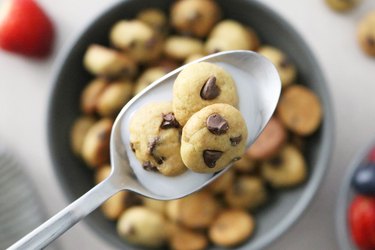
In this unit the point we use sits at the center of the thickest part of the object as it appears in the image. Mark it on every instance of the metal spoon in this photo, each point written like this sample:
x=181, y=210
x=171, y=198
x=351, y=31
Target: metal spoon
x=258, y=87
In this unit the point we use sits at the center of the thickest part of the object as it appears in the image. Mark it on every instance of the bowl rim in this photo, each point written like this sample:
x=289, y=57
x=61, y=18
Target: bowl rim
x=327, y=127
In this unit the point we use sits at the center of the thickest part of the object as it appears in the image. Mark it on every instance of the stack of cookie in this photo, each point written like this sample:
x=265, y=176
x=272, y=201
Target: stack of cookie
x=201, y=120
x=213, y=132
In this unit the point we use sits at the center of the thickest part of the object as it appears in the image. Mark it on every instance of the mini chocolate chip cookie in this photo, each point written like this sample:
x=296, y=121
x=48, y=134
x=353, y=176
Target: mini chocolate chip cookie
x=222, y=183
x=366, y=34
x=181, y=47
x=231, y=227
x=148, y=76
x=109, y=63
x=245, y=165
x=140, y=225
x=342, y=5
x=287, y=169
x=247, y=192
x=213, y=138
x=300, y=110
x=199, y=85
x=286, y=69
x=137, y=39
x=269, y=141
x=240, y=38
x=196, y=211
x=155, y=139
x=186, y=239
x=194, y=17
x=155, y=18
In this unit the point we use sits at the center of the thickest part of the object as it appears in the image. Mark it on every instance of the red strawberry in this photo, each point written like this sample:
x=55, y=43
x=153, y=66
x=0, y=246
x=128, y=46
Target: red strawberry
x=25, y=28
x=371, y=155
x=362, y=222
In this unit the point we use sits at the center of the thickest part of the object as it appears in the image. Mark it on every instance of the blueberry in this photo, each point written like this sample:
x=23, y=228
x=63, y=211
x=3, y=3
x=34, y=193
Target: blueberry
x=363, y=180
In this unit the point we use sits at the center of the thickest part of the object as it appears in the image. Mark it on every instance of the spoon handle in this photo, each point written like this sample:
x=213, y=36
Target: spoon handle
x=66, y=218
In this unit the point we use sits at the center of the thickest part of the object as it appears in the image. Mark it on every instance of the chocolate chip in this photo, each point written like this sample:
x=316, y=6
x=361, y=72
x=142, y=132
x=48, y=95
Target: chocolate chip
x=169, y=121
x=276, y=161
x=216, y=124
x=216, y=50
x=149, y=167
x=152, y=144
x=129, y=229
x=132, y=147
x=234, y=141
x=159, y=160
x=370, y=41
x=211, y=156
x=210, y=90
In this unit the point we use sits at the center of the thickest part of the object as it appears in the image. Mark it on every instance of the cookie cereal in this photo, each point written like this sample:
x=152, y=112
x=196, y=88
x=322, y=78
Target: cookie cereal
x=300, y=110
x=232, y=227
x=240, y=38
x=155, y=139
x=140, y=225
x=366, y=34
x=106, y=62
x=196, y=211
x=287, y=169
x=286, y=69
x=136, y=39
x=194, y=17
x=200, y=85
x=269, y=141
x=213, y=138
x=247, y=192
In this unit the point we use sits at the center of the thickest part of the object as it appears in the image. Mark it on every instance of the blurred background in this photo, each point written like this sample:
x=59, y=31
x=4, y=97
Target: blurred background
x=25, y=83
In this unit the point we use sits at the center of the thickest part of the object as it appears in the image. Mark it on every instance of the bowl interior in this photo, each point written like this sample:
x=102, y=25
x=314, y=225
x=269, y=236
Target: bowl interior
x=71, y=77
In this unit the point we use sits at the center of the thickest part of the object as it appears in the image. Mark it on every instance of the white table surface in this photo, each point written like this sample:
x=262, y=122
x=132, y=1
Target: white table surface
x=24, y=85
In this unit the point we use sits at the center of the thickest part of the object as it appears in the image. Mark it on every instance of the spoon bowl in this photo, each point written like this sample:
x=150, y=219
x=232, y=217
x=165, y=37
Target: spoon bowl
x=258, y=86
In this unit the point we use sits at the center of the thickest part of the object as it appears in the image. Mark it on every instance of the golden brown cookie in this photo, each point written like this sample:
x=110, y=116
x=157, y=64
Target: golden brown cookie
x=232, y=227
x=155, y=139
x=287, y=169
x=269, y=141
x=286, y=69
x=240, y=38
x=114, y=97
x=199, y=85
x=342, y=5
x=143, y=226
x=91, y=94
x=245, y=165
x=213, y=138
x=102, y=61
x=137, y=39
x=247, y=192
x=366, y=33
x=181, y=47
x=186, y=239
x=222, y=183
x=156, y=205
x=147, y=77
x=300, y=110
x=155, y=18
x=195, y=211
x=194, y=17
x=95, y=147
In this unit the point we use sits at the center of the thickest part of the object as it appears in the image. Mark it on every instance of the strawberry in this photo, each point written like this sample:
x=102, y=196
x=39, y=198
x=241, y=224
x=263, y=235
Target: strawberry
x=371, y=155
x=362, y=222
x=25, y=28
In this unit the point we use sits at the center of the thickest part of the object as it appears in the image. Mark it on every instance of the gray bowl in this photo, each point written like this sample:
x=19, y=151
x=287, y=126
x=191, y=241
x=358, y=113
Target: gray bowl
x=71, y=77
